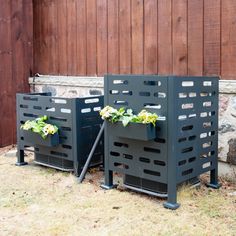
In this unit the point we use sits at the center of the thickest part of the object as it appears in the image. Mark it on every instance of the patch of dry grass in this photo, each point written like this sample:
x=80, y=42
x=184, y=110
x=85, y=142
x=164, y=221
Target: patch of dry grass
x=40, y=201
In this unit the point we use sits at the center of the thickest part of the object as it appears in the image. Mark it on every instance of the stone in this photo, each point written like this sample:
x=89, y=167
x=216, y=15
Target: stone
x=11, y=153
x=223, y=103
x=231, y=155
x=232, y=194
x=95, y=92
x=225, y=126
x=52, y=90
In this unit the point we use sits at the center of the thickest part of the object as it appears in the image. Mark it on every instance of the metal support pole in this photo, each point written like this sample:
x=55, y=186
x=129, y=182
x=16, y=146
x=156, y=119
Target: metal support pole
x=85, y=168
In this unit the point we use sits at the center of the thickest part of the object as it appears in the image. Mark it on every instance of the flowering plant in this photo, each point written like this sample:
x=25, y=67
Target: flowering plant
x=126, y=116
x=40, y=126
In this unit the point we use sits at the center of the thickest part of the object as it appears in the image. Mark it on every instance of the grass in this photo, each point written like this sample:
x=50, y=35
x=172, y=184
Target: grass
x=36, y=200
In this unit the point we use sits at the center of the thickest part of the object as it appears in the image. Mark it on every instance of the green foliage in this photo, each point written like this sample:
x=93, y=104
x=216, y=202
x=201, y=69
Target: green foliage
x=40, y=126
x=126, y=116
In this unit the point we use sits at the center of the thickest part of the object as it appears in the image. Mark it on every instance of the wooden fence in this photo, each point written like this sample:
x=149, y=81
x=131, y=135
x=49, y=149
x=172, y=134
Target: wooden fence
x=16, y=54
x=93, y=37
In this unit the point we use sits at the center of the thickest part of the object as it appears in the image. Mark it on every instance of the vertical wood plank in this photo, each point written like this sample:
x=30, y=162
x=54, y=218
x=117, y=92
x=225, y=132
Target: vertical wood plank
x=81, y=37
x=195, y=37
x=52, y=36
x=71, y=37
x=101, y=37
x=18, y=60
x=212, y=38
x=137, y=36
x=17, y=41
x=91, y=37
x=179, y=35
x=113, y=37
x=62, y=37
x=150, y=37
x=6, y=74
x=164, y=37
x=44, y=55
x=28, y=41
x=36, y=36
x=125, y=36
x=228, y=39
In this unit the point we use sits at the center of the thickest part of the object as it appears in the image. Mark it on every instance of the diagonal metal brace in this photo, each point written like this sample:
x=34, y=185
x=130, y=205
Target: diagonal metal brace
x=86, y=165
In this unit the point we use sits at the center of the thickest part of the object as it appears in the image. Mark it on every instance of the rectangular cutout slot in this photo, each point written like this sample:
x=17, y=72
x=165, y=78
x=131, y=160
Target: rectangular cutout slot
x=187, y=84
x=206, y=165
x=118, y=144
x=114, y=92
x=160, y=95
x=86, y=110
x=30, y=98
x=150, y=172
x=187, y=172
x=183, y=95
x=91, y=100
x=58, y=101
x=186, y=106
x=207, y=83
x=207, y=104
x=30, y=115
x=115, y=154
x=159, y=163
x=128, y=156
x=181, y=163
x=97, y=108
x=58, y=118
x=152, y=83
x=206, y=145
x=64, y=110
x=120, y=81
x=119, y=102
x=192, y=159
x=145, y=94
x=188, y=127
x=144, y=159
x=37, y=107
x=152, y=105
x=185, y=150
x=154, y=150
x=24, y=106
x=127, y=92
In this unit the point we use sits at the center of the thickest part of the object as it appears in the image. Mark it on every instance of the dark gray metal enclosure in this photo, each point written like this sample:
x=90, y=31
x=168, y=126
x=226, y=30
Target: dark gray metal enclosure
x=78, y=121
x=186, y=142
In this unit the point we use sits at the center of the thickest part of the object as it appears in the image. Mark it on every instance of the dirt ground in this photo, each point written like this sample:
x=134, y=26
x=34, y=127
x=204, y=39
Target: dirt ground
x=35, y=200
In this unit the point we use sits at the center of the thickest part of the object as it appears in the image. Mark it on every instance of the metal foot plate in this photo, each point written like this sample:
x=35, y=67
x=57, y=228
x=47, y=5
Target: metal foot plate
x=21, y=163
x=171, y=206
x=107, y=187
x=215, y=186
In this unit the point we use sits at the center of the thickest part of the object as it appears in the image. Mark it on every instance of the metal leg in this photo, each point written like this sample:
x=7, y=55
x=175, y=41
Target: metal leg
x=96, y=143
x=108, y=180
x=77, y=168
x=108, y=173
x=172, y=197
x=21, y=158
x=214, y=179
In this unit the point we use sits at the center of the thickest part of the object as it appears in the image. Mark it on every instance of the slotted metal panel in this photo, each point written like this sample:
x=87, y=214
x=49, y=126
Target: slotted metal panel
x=78, y=121
x=186, y=141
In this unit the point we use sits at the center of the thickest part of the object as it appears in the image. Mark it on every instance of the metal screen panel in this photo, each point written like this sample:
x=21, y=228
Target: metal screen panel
x=134, y=157
x=186, y=141
x=78, y=121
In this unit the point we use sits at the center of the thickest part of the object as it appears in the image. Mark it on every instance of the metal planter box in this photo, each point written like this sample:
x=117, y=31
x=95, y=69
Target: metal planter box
x=187, y=138
x=137, y=131
x=78, y=121
x=36, y=139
